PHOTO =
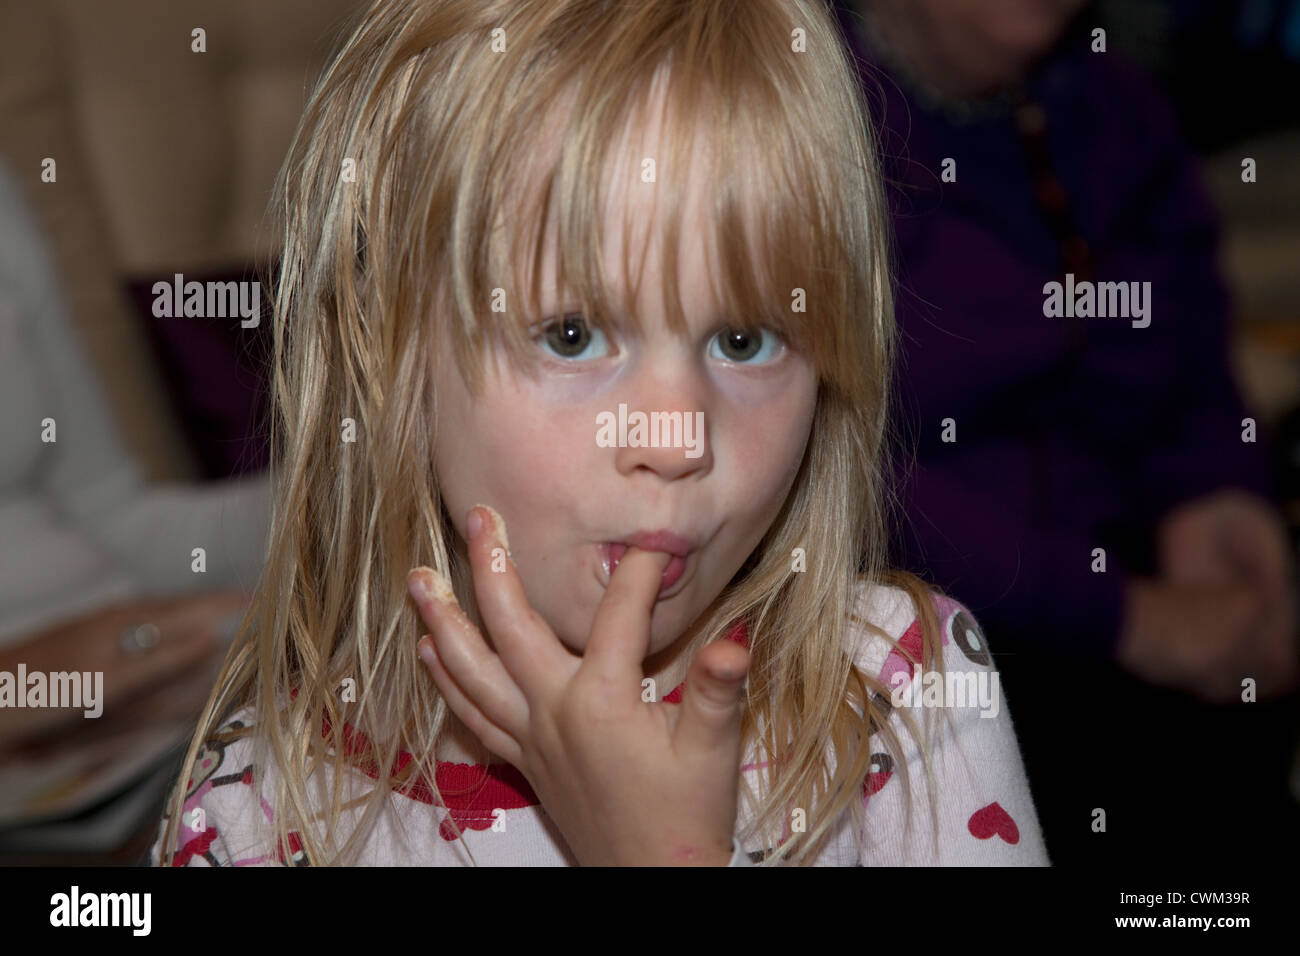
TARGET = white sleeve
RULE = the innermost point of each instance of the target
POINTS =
(85, 483)
(738, 856)
(223, 819)
(986, 814)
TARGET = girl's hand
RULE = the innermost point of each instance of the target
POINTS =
(627, 782)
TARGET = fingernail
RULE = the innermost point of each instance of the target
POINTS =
(474, 523)
(498, 525)
(428, 585)
(425, 650)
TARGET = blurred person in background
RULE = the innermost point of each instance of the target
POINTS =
(97, 566)
(1019, 151)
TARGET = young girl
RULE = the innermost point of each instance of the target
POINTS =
(583, 341)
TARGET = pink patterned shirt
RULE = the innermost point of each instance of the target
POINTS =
(986, 814)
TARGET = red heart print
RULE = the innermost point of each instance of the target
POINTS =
(991, 820)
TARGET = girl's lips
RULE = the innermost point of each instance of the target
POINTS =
(611, 552)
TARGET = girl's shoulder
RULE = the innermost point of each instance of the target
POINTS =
(892, 610)
(220, 810)
(984, 812)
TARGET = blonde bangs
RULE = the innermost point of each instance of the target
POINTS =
(791, 195)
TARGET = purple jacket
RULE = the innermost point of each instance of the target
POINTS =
(1056, 453)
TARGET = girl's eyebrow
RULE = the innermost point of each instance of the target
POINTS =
(716, 319)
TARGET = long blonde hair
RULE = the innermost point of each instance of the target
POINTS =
(410, 153)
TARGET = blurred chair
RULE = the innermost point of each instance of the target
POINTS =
(165, 161)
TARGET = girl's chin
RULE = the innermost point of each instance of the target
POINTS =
(579, 645)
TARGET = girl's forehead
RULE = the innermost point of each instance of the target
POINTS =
(631, 243)
(658, 156)
(633, 248)
(660, 218)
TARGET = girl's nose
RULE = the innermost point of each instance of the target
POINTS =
(660, 424)
(673, 442)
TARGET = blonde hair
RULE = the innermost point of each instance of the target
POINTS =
(440, 117)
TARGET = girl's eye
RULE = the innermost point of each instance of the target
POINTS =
(571, 336)
(738, 346)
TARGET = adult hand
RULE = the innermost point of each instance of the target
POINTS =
(188, 628)
(1233, 537)
(1225, 608)
(1191, 638)
(628, 783)
(1226, 536)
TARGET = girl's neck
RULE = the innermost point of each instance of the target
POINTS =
(458, 744)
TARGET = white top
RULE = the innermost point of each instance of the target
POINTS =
(986, 814)
(80, 525)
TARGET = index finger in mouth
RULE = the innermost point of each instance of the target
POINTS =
(620, 633)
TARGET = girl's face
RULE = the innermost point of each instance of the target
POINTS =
(535, 450)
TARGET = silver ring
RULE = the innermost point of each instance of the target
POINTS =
(138, 640)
